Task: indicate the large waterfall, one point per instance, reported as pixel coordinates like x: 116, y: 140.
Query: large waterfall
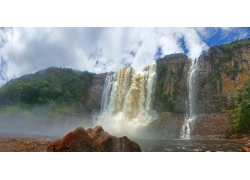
x: 127, y: 99
x: 190, y: 119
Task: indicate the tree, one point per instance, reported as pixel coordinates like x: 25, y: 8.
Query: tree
x: 241, y: 110
x: 168, y: 102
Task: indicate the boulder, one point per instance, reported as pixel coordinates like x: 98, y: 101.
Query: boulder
x: 248, y: 145
x: 109, y: 143
x: 213, y: 150
x: 76, y: 141
x: 245, y: 149
x: 93, y: 140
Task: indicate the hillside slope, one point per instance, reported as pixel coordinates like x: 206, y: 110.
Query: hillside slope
x: 43, y: 100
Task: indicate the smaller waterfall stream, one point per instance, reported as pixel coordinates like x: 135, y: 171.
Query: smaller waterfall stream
x: 191, y: 117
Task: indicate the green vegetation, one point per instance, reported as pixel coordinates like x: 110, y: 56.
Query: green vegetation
x: 241, y: 110
x: 218, y: 69
x: 61, y: 90
x: 233, y: 71
x: 170, y: 75
x: 216, y: 76
x: 161, y: 69
x: 240, y: 42
x: 228, y: 51
x: 228, y: 48
x: 168, y: 102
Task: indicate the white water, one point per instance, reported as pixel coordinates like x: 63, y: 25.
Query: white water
x: 127, y: 99
x: 191, y: 117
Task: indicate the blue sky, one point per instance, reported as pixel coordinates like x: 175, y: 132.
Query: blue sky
x: 28, y: 50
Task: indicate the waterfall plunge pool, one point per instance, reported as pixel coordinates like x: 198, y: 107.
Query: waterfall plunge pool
x: 189, y: 145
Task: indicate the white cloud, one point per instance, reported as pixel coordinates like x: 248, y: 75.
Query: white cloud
x: 194, y: 43
x: 98, y: 50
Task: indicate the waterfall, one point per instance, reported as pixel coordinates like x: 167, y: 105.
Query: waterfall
x: 191, y: 116
x: 127, y: 99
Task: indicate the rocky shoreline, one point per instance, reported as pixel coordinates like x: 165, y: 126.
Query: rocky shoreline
x: 26, y: 144
x: 23, y: 144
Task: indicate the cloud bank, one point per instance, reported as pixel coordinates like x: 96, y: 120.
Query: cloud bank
x: 27, y: 50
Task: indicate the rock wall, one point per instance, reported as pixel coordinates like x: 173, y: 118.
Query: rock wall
x: 172, y: 80
x: 223, y: 70
x: 166, y: 126
x: 217, y: 125
x: 213, y: 125
x: 94, y: 98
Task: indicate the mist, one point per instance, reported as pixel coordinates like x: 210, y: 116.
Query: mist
x: 38, y: 122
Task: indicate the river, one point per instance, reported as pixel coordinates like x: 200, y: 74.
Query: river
x: 180, y: 145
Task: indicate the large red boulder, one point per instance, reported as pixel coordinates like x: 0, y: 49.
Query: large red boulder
x: 76, y: 141
x: 93, y: 140
x: 109, y: 143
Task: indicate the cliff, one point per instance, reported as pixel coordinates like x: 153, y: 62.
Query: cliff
x: 171, y: 86
x: 168, y: 126
x: 223, y: 71
x: 94, y: 97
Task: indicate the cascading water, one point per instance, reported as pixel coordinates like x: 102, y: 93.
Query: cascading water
x: 191, y: 117
x: 127, y: 99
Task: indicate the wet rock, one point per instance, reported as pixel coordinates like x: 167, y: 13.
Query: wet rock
x: 76, y: 141
x: 94, y: 96
x: 169, y: 126
x: 216, y: 125
x: 248, y: 145
x: 93, y: 140
x: 246, y: 149
x: 239, y: 150
x: 109, y: 143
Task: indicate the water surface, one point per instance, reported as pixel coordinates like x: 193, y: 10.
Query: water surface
x: 190, y: 145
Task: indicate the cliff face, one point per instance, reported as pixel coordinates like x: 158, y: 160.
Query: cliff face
x: 221, y: 73
x: 171, y: 86
x: 216, y: 125
x: 94, y: 98
x: 223, y: 70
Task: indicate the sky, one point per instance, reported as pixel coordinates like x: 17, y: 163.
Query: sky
x: 102, y: 49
